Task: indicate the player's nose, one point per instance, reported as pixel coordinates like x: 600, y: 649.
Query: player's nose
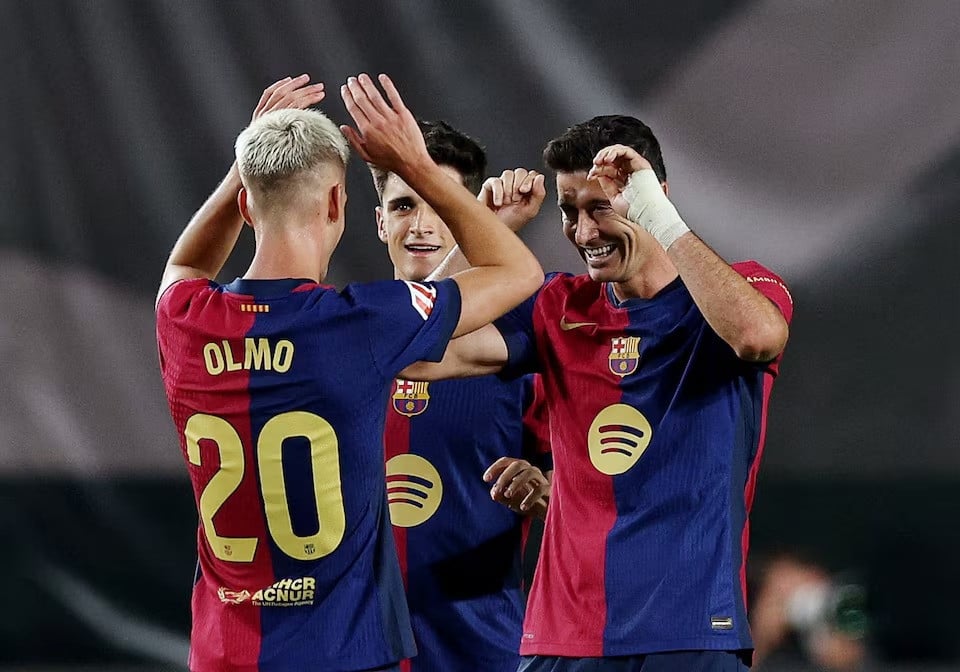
x: 424, y: 223
x: 586, y: 229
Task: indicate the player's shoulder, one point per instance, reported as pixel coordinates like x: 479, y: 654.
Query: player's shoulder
x: 380, y: 287
x: 178, y: 296
x: 422, y: 296
x: 561, y: 283
x: 564, y: 288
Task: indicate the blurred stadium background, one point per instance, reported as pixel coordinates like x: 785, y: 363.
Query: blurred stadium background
x: 820, y: 137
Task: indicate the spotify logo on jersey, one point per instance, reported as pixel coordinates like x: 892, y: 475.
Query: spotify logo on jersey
x: 617, y: 438
x: 414, y: 490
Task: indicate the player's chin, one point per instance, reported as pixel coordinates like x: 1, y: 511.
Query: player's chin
x: 608, y: 271
x: 599, y: 274
x: 418, y: 268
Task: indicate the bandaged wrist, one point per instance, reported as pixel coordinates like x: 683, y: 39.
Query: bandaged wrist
x: 651, y: 210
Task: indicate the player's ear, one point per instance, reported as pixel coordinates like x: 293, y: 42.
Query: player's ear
x: 336, y: 201
x: 244, y: 205
x: 666, y: 188
x: 381, y: 224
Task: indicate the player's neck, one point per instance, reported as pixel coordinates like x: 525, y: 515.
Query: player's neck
x: 289, y: 256
x: 656, y: 273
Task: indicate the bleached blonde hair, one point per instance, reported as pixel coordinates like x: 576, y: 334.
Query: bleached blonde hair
x: 280, y: 146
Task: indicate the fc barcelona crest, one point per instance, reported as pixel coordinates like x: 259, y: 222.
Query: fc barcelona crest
x: 410, y: 398
x: 624, y: 355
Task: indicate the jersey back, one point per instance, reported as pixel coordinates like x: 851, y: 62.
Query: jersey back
x: 277, y: 389
x: 657, y: 430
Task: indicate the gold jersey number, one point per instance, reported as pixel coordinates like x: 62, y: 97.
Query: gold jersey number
x: 328, y: 495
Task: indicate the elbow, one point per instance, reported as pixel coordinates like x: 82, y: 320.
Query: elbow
x: 531, y: 278
x: 763, y: 343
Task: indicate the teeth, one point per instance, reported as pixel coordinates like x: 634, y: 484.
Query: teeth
x: 597, y: 252
x: 423, y: 248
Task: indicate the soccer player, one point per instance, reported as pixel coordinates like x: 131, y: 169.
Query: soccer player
x: 657, y: 367
x: 278, y: 384
x: 459, y: 550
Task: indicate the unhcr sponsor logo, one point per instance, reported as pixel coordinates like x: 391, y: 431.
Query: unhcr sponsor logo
x: 284, y: 593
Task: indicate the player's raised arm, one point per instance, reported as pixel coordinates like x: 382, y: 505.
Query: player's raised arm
x: 504, y: 272
x: 205, y: 244
x: 747, y: 320
x: 516, y: 197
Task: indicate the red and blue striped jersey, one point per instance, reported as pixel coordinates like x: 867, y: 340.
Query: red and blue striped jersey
x: 657, y: 430
x: 459, y: 550
x: 278, y: 390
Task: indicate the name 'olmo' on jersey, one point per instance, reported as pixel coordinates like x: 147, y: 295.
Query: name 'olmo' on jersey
x: 259, y: 354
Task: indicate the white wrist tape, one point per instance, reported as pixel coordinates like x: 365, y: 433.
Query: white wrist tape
x: 650, y: 208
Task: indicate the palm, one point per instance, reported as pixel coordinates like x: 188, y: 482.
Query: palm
x: 619, y: 204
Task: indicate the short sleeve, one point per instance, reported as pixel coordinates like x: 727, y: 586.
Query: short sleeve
x: 407, y: 321
x: 172, y: 306
x: 176, y: 298
x: 769, y: 284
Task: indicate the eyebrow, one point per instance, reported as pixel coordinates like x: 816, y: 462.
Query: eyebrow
x: 394, y: 203
x: 591, y: 204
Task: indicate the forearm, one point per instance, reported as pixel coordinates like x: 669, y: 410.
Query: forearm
x: 483, y: 239
x: 453, y: 263
x: 502, y: 273
x: 479, y: 353
x: 212, y: 232
x: 749, y: 322
x: 447, y: 369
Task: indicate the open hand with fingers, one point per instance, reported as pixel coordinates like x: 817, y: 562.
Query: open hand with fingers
x: 387, y: 135
x: 516, y: 196
x: 289, y: 93
x: 519, y: 486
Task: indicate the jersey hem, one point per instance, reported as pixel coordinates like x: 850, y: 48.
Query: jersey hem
x: 592, y: 650
x: 209, y: 665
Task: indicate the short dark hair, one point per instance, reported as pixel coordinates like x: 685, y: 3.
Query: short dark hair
x: 447, y: 147
x: 575, y: 148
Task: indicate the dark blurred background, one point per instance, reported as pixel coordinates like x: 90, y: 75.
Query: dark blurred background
x: 821, y: 138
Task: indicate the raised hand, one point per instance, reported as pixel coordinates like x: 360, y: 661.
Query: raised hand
x: 387, y: 135
x: 519, y: 486
x: 289, y: 93
x: 516, y: 196
x: 612, y: 167
x: 636, y: 194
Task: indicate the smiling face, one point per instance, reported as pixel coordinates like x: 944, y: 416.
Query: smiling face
x: 613, y: 248
x: 417, y: 239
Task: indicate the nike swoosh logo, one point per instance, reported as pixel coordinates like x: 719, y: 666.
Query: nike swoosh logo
x: 567, y: 326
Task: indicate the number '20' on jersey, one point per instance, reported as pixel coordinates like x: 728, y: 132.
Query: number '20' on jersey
x: 278, y: 389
